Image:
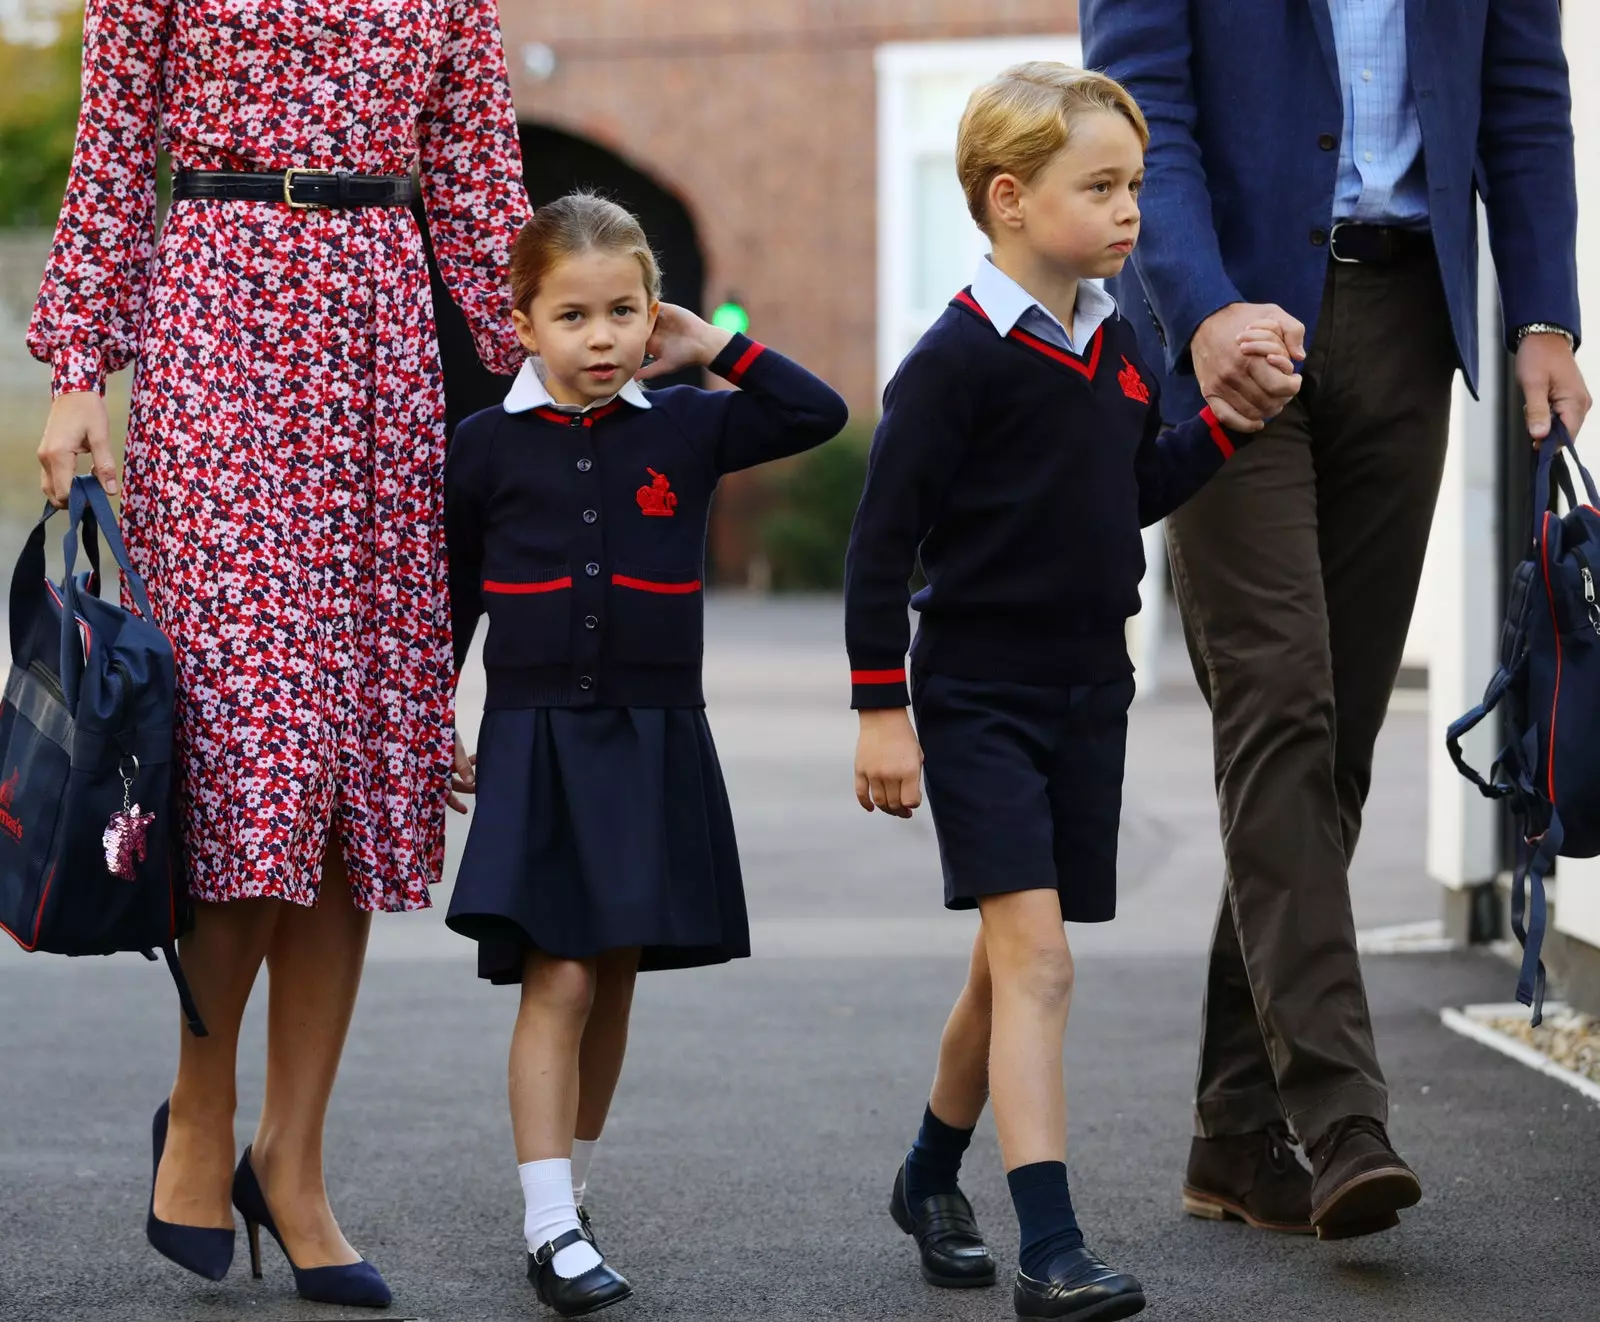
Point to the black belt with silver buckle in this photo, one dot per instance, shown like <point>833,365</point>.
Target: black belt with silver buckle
<point>1376,245</point>
<point>302,190</point>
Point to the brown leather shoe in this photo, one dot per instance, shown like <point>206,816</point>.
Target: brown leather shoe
<point>1254,1178</point>
<point>1358,1184</point>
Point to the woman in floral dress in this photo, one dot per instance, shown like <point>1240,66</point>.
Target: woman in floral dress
<point>282,499</point>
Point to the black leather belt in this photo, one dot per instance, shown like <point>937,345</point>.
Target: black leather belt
<point>302,190</point>
<point>1376,245</point>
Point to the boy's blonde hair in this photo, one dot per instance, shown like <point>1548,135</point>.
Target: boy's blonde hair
<point>579,222</point>
<point>1017,123</point>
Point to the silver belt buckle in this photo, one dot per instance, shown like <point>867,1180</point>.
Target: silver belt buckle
<point>1333,244</point>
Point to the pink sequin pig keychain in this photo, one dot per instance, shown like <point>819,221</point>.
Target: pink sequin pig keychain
<point>125,833</point>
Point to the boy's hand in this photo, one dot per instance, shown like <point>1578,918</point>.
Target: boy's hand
<point>1264,339</point>
<point>464,777</point>
<point>681,340</point>
<point>888,762</point>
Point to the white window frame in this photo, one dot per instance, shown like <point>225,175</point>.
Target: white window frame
<point>901,143</point>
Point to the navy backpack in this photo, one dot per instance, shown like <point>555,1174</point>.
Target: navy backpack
<point>86,856</point>
<point>1549,681</point>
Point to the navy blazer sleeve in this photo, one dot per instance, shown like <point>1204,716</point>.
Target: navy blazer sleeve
<point>1145,46</point>
<point>1526,143</point>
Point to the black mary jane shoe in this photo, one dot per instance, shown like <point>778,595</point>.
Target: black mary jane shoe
<point>953,1252</point>
<point>1080,1288</point>
<point>587,1226</point>
<point>595,1289</point>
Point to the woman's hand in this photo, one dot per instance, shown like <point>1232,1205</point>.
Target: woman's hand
<point>464,776</point>
<point>77,425</point>
<point>682,340</point>
<point>888,763</point>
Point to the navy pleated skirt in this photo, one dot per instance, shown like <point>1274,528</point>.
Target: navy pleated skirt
<point>598,829</point>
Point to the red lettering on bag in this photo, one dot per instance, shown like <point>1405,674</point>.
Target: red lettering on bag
<point>8,794</point>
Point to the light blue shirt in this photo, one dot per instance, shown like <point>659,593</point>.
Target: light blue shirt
<point>1007,304</point>
<point>1381,179</point>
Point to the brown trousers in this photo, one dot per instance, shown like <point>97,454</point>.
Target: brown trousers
<point>1296,571</point>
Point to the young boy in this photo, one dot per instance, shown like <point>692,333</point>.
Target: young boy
<point>1020,453</point>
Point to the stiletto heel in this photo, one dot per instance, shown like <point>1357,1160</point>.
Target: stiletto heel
<point>253,1231</point>
<point>203,1250</point>
<point>357,1285</point>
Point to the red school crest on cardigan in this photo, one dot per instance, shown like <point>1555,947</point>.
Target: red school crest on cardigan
<point>1132,383</point>
<point>657,500</point>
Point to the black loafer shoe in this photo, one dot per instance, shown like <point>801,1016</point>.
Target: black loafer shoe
<point>1358,1183</point>
<point>1079,1287</point>
<point>953,1253</point>
<point>588,1293</point>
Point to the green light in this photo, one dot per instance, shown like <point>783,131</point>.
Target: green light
<point>731,317</point>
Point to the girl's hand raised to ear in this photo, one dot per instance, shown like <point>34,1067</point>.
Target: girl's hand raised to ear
<point>681,340</point>
<point>464,777</point>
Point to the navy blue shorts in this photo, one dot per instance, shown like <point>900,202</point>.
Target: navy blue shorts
<point>1025,786</point>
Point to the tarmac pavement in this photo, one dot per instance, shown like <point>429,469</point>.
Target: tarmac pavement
<point>746,1168</point>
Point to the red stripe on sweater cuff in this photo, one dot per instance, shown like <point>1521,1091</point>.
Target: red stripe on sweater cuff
<point>878,676</point>
<point>746,359</point>
<point>1217,434</point>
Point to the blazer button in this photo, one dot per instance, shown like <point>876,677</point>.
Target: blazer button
<point>591,621</point>
<point>1327,142</point>
<point>591,569</point>
<point>589,516</point>
<point>584,465</point>
<point>1318,238</point>
<point>585,682</point>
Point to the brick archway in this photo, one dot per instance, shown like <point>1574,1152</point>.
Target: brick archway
<point>555,162</point>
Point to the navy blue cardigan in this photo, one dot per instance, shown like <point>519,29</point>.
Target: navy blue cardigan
<point>583,536</point>
<point>1022,474</point>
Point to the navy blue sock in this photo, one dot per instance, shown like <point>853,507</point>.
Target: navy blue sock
<point>1044,1215</point>
<point>935,1159</point>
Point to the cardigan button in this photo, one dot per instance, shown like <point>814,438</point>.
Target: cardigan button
<point>591,621</point>
<point>585,682</point>
<point>589,516</point>
<point>584,465</point>
<point>591,569</point>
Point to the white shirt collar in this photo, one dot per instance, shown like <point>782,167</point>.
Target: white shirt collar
<point>1004,301</point>
<point>529,391</point>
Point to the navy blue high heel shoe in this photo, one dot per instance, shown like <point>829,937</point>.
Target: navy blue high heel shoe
<point>358,1285</point>
<point>203,1250</point>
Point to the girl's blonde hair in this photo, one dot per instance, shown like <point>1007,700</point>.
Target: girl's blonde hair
<point>1017,123</point>
<point>579,222</point>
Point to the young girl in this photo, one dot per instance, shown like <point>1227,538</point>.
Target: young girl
<point>1020,451</point>
<point>603,841</point>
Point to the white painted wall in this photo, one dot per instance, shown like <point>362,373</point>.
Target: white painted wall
<point>1578,913</point>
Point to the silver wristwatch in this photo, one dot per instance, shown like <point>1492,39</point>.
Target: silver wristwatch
<point>1545,328</point>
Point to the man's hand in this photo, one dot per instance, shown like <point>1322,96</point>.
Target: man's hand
<point>1245,389</point>
<point>1548,373</point>
<point>888,762</point>
<point>463,778</point>
<point>77,425</point>
<point>680,340</point>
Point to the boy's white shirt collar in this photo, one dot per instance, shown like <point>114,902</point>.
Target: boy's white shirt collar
<point>1004,301</point>
<point>529,391</point>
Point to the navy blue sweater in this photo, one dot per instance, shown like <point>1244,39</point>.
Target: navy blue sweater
<point>583,536</point>
<point>1022,474</point>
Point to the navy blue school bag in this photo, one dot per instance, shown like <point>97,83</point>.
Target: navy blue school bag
<point>1549,681</point>
<point>86,855</point>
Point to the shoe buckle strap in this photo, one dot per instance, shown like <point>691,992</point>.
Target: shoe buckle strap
<point>545,1252</point>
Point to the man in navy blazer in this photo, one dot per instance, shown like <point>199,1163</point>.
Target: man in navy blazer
<point>1315,163</point>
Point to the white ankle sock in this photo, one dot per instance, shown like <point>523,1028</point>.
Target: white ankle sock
<point>582,1155</point>
<point>550,1212</point>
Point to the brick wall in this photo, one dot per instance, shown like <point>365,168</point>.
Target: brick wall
<point>761,117</point>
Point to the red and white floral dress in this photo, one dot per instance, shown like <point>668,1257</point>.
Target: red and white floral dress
<point>286,444</point>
